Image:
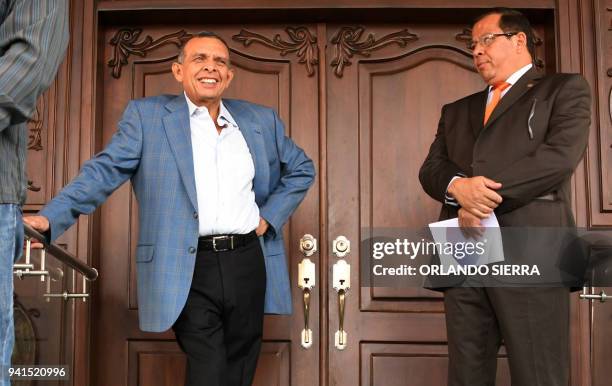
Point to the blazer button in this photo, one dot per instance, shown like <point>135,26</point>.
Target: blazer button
<point>195,215</point>
<point>192,250</point>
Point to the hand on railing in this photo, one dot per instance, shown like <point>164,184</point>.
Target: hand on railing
<point>33,225</point>
<point>39,223</point>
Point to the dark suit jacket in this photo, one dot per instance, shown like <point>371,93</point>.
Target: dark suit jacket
<point>531,144</point>
<point>528,165</point>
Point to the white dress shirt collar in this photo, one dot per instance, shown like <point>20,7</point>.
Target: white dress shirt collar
<point>224,115</point>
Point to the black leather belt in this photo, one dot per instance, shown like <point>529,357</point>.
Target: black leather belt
<point>222,243</point>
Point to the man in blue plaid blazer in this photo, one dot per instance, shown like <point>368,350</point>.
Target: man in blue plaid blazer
<point>154,148</point>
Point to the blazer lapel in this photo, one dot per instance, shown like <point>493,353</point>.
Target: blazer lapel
<point>251,131</point>
<point>523,85</point>
<point>477,110</point>
<point>178,131</point>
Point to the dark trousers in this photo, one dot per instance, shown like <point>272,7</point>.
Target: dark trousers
<point>220,327</point>
<point>534,326</point>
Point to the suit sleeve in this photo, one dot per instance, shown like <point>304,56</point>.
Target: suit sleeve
<point>33,40</point>
<point>297,175</point>
<point>556,158</point>
<point>99,177</point>
<point>437,169</point>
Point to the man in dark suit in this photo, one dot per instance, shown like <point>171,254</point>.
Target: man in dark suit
<point>509,149</point>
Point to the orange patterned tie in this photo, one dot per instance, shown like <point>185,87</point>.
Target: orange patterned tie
<point>497,91</point>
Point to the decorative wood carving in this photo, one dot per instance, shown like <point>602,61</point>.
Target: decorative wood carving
<point>347,44</point>
<point>32,187</point>
<point>302,42</point>
<point>35,124</point>
<point>466,36</point>
<point>539,63</point>
<point>26,342</point>
<point>125,45</point>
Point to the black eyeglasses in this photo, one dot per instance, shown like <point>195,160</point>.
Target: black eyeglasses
<point>488,39</point>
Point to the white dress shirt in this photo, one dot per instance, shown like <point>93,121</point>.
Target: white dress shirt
<point>224,172</point>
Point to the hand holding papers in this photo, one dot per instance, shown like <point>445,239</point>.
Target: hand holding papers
<point>484,249</point>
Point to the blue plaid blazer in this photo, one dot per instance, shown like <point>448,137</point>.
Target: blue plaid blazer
<point>152,147</point>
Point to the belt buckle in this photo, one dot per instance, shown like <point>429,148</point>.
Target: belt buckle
<point>214,242</point>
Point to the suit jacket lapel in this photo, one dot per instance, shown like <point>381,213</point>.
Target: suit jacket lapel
<point>251,131</point>
<point>523,85</point>
<point>178,131</point>
<point>477,110</point>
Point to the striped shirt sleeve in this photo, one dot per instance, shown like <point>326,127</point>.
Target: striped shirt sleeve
<point>33,40</point>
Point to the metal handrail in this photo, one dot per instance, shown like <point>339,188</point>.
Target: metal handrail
<point>587,293</point>
<point>62,255</point>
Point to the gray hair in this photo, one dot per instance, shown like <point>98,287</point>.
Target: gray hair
<point>202,34</point>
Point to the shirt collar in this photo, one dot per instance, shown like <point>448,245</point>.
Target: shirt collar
<point>224,114</point>
<point>512,79</point>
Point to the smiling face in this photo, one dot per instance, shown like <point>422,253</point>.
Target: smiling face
<point>504,56</point>
<point>204,72</point>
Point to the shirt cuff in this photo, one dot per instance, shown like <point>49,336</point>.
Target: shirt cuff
<point>448,200</point>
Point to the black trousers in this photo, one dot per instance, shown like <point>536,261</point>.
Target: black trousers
<point>220,327</point>
<point>534,326</point>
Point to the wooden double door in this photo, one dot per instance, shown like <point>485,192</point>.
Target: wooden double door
<point>363,100</point>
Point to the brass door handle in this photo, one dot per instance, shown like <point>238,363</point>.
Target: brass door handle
<point>307,281</point>
<point>342,283</point>
<point>307,331</point>
<point>341,334</point>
